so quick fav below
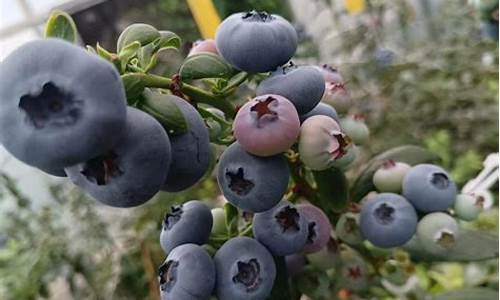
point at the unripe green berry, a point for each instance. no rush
(468, 207)
(389, 177)
(437, 232)
(356, 129)
(347, 229)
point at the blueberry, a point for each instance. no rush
(201, 46)
(388, 220)
(60, 104)
(190, 222)
(353, 273)
(437, 232)
(188, 273)
(245, 270)
(302, 85)
(133, 171)
(319, 227)
(58, 172)
(321, 109)
(348, 230)
(344, 162)
(256, 41)
(330, 74)
(384, 57)
(321, 142)
(282, 229)
(295, 264)
(252, 183)
(429, 188)
(266, 125)
(468, 207)
(355, 128)
(389, 177)
(190, 151)
(326, 258)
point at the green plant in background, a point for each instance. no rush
(114, 254)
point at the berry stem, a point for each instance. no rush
(197, 94)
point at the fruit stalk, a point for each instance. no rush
(197, 94)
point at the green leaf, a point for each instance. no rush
(468, 294)
(127, 53)
(144, 55)
(332, 190)
(232, 217)
(409, 154)
(104, 53)
(164, 109)
(61, 25)
(471, 245)
(142, 33)
(167, 39)
(133, 88)
(205, 65)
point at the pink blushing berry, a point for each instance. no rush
(267, 125)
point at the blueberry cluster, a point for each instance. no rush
(64, 111)
(412, 207)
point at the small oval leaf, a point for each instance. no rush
(167, 39)
(468, 294)
(332, 190)
(61, 25)
(409, 154)
(205, 65)
(163, 108)
(471, 245)
(142, 33)
(133, 88)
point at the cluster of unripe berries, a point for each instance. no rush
(412, 208)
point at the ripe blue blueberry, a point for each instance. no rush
(245, 270)
(282, 229)
(318, 226)
(302, 85)
(252, 183)
(190, 151)
(190, 222)
(437, 232)
(60, 104)
(295, 264)
(188, 273)
(429, 188)
(133, 171)
(256, 41)
(321, 109)
(388, 220)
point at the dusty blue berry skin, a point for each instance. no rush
(133, 171)
(321, 109)
(190, 222)
(388, 220)
(188, 273)
(302, 85)
(429, 188)
(282, 229)
(250, 182)
(245, 270)
(59, 104)
(190, 151)
(256, 41)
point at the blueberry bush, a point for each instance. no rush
(296, 208)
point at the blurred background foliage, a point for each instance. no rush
(434, 84)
